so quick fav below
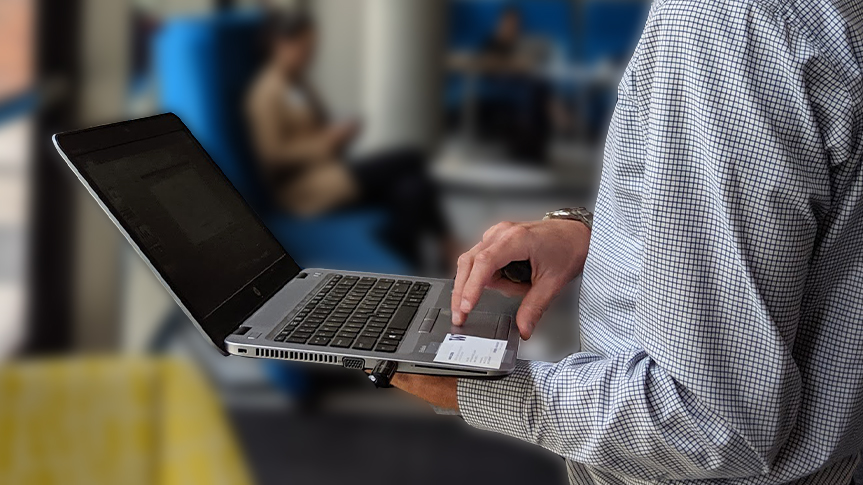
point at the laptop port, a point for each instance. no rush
(241, 351)
(353, 363)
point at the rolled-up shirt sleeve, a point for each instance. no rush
(707, 220)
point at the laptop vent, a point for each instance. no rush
(296, 356)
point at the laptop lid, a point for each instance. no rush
(183, 216)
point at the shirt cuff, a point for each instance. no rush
(497, 404)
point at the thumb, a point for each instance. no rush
(534, 305)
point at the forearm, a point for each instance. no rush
(622, 413)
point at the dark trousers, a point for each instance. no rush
(397, 181)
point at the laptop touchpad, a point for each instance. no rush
(478, 324)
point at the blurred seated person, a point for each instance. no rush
(302, 152)
(515, 104)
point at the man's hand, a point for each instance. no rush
(556, 249)
(438, 391)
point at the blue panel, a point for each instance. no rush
(17, 106)
(612, 28)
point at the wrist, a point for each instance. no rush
(573, 238)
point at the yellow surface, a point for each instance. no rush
(110, 421)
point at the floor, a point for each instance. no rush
(385, 450)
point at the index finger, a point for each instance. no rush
(465, 264)
(485, 265)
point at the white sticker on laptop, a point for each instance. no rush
(473, 351)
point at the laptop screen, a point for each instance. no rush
(186, 217)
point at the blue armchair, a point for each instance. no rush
(203, 67)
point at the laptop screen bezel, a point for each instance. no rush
(225, 319)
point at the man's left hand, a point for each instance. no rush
(437, 391)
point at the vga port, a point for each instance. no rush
(353, 363)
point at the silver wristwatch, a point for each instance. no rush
(579, 214)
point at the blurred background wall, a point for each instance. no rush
(411, 73)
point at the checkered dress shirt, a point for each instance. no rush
(722, 301)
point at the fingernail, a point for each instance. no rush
(457, 318)
(465, 305)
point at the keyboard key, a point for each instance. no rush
(392, 336)
(386, 348)
(319, 341)
(364, 343)
(347, 334)
(325, 334)
(394, 343)
(402, 318)
(296, 339)
(281, 337)
(341, 342)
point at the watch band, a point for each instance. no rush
(579, 214)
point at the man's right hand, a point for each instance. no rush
(556, 249)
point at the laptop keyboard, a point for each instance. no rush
(358, 313)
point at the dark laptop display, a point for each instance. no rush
(189, 221)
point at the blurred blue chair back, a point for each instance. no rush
(611, 29)
(204, 66)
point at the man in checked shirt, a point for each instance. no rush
(722, 298)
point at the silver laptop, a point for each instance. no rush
(245, 293)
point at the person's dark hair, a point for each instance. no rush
(287, 26)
